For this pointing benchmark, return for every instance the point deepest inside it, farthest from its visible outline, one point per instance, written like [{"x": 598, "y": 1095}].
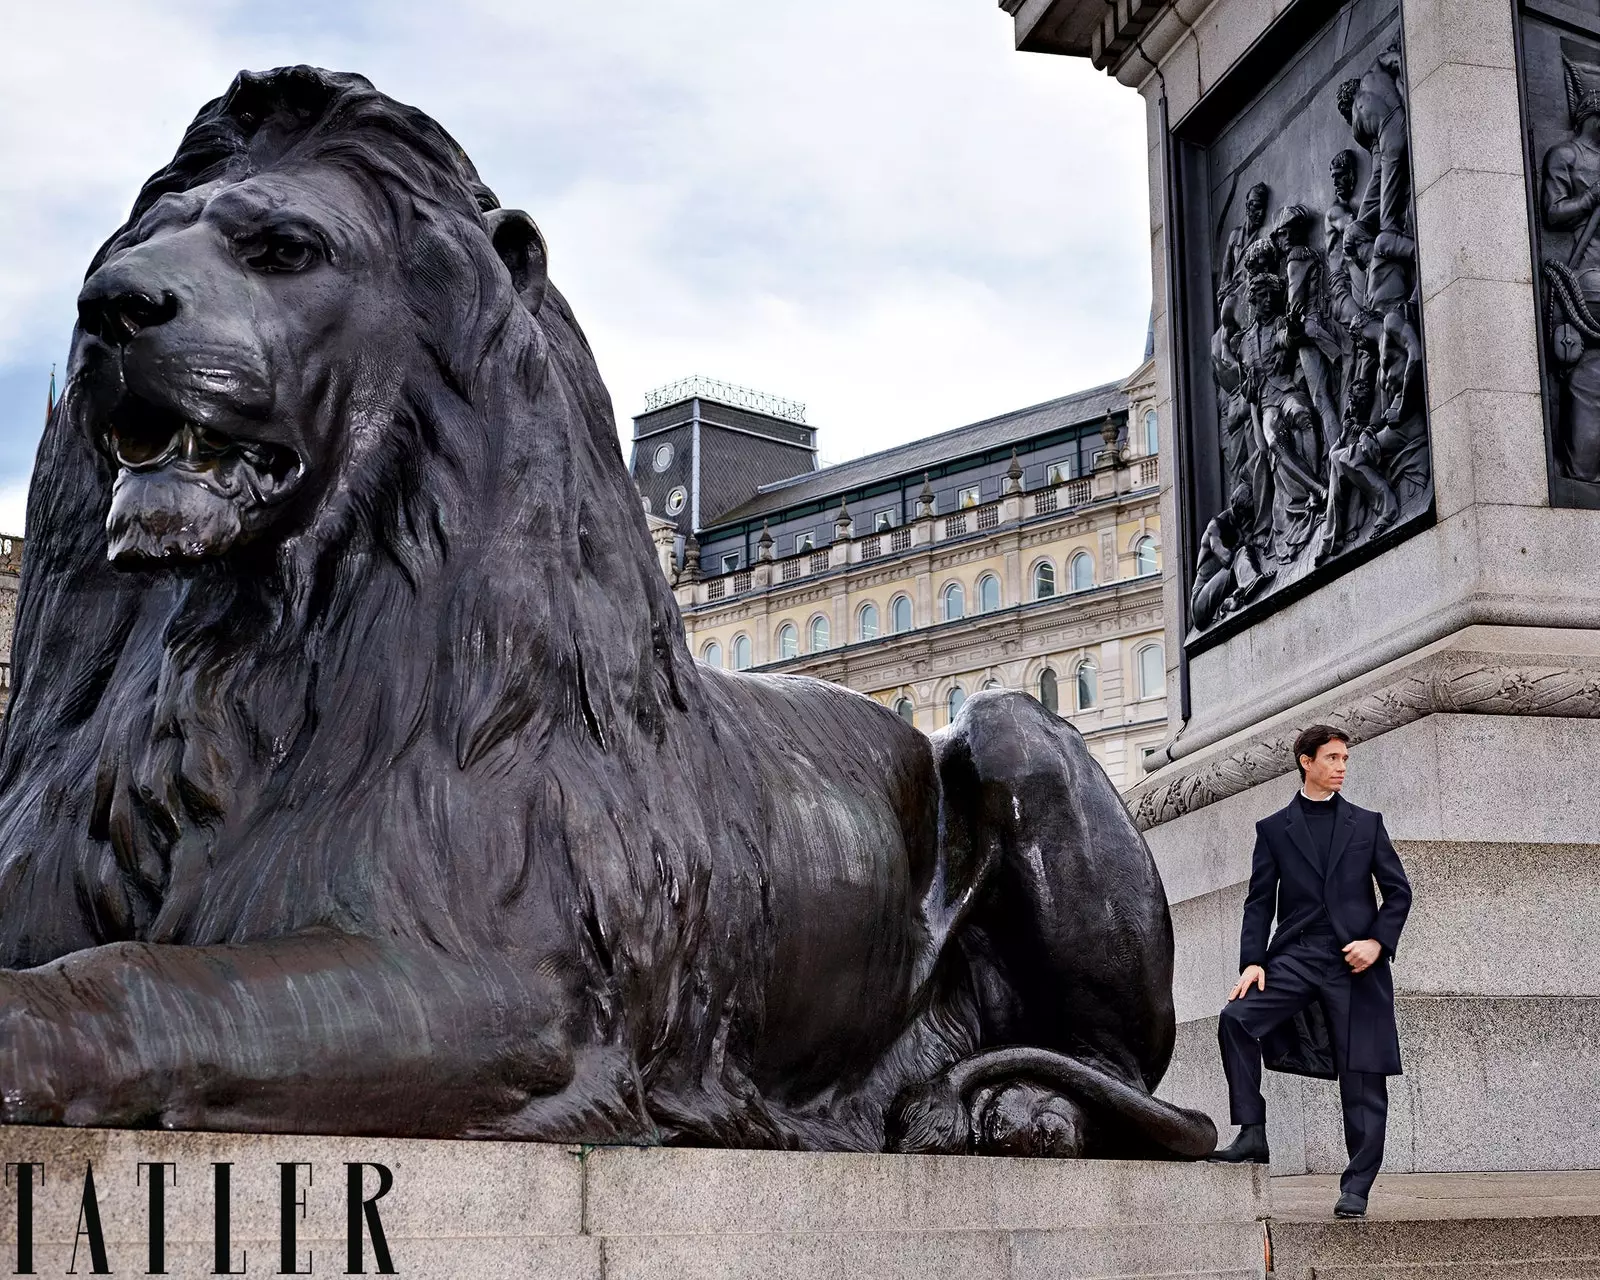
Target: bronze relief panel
[
  {"x": 1560, "y": 76},
  {"x": 1308, "y": 444}
]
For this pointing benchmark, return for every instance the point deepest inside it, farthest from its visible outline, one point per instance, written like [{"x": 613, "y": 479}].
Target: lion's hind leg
[{"x": 1068, "y": 948}]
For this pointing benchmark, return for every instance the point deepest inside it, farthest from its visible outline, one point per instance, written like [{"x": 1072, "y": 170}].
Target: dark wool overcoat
[{"x": 1284, "y": 883}]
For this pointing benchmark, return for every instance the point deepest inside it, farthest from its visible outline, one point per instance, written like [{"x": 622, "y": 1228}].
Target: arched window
[
  {"x": 1088, "y": 684},
  {"x": 867, "y": 622},
  {"x": 906, "y": 711},
  {"x": 953, "y": 703},
  {"x": 711, "y": 655},
  {"x": 1152, "y": 432},
  {"x": 819, "y": 634},
  {"x": 788, "y": 642},
  {"x": 1049, "y": 697},
  {"x": 988, "y": 593},
  {"x": 900, "y": 614},
  {"x": 953, "y": 602},
  {"x": 1152, "y": 671},
  {"x": 741, "y": 653},
  {"x": 1082, "y": 571},
  {"x": 1144, "y": 556},
  {"x": 991, "y": 684},
  {"x": 1044, "y": 580}
]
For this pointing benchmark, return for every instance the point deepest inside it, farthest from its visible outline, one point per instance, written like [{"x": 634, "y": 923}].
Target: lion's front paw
[{"x": 929, "y": 1119}]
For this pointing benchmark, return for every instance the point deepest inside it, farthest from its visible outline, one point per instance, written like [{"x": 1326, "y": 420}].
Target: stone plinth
[
  {"x": 1498, "y": 978},
  {"x": 1464, "y": 659},
  {"x": 501, "y": 1209}
]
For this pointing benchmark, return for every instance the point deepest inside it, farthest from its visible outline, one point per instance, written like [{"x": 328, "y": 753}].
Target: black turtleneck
[{"x": 1319, "y": 816}]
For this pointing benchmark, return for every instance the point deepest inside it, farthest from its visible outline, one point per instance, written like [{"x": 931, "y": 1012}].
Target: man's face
[
  {"x": 1344, "y": 181},
  {"x": 1325, "y": 770},
  {"x": 1255, "y": 206},
  {"x": 1265, "y": 300}
]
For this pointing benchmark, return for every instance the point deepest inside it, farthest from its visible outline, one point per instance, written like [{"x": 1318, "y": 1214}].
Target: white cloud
[
  {"x": 14, "y": 507},
  {"x": 879, "y": 209}
]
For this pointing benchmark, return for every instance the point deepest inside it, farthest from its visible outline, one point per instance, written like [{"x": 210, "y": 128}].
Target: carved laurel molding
[{"x": 1454, "y": 681}]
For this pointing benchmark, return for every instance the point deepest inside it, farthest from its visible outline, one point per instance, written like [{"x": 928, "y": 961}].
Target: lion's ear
[{"x": 517, "y": 240}]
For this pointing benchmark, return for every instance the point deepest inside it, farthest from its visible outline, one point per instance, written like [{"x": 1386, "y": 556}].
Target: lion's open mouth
[
  {"x": 184, "y": 491},
  {"x": 143, "y": 436}
]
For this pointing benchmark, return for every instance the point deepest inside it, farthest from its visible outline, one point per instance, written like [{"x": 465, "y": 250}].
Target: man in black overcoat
[{"x": 1319, "y": 998}]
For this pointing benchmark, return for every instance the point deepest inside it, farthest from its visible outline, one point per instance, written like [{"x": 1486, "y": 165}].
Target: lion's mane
[{"x": 312, "y": 736}]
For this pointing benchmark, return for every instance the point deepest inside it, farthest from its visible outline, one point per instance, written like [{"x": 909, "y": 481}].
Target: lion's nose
[{"x": 116, "y": 315}]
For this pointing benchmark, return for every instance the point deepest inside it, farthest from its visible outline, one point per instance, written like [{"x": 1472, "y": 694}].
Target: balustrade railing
[{"x": 873, "y": 546}]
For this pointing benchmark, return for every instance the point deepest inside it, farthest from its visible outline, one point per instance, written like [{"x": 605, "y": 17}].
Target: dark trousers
[{"x": 1308, "y": 969}]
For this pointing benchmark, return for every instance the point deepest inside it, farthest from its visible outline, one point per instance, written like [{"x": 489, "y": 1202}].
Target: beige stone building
[
  {"x": 1021, "y": 552},
  {"x": 10, "y": 578}
]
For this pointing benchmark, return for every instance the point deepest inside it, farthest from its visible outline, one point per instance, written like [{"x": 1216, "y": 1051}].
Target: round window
[
  {"x": 663, "y": 458},
  {"x": 677, "y": 500}
]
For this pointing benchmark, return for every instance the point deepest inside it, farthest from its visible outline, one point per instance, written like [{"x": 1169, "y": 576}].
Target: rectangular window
[
  {"x": 1058, "y": 472},
  {"x": 804, "y": 542},
  {"x": 882, "y": 521},
  {"x": 967, "y": 497},
  {"x": 730, "y": 562}
]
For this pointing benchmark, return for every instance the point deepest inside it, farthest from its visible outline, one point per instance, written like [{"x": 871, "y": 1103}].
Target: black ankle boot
[
  {"x": 1351, "y": 1205},
  {"x": 1250, "y": 1147}
]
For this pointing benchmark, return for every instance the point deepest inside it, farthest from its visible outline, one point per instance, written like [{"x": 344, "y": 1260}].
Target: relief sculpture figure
[
  {"x": 357, "y": 777},
  {"x": 1305, "y": 287},
  {"x": 1286, "y": 484},
  {"x": 1374, "y": 107},
  {"x": 1569, "y": 202},
  {"x": 1317, "y": 338}
]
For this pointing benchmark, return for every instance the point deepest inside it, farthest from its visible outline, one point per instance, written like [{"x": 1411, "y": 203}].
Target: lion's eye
[{"x": 277, "y": 251}]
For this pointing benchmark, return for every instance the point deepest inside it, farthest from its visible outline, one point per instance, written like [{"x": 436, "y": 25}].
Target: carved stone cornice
[{"x": 1451, "y": 680}]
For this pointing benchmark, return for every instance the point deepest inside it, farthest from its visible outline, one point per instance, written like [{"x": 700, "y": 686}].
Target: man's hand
[
  {"x": 1253, "y": 974},
  {"x": 1361, "y": 956}
]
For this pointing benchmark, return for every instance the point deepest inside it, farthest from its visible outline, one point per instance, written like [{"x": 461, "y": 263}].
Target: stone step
[
  {"x": 1501, "y": 1226},
  {"x": 1550, "y": 1269},
  {"x": 1498, "y": 1248}
]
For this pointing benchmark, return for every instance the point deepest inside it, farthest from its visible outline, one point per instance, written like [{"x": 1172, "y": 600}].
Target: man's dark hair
[
  {"x": 1312, "y": 740},
  {"x": 1347, "y": 98}
]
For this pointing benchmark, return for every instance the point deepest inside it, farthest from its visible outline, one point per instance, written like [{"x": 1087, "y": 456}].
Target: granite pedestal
[{"x": 501, "y": 1209}]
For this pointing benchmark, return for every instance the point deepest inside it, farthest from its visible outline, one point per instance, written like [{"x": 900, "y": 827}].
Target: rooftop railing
[
  {"x": 1057, "y": 500},
  {"x": 731, "y": 393}
]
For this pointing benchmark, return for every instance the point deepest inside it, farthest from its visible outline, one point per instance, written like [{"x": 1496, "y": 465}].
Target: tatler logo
[{"x": 363, "y": 1223}]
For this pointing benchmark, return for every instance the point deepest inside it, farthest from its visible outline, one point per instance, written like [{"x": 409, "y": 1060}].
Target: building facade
[
  {"x": 10, "y": 581},
  {"x": 1021, "y": 552}
]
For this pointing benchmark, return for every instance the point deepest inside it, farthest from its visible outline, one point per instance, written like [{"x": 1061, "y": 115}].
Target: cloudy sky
[{"x": 873, "y": 206}]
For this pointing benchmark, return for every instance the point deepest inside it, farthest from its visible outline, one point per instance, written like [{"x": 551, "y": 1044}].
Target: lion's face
[{"x": 228, "y": 347}]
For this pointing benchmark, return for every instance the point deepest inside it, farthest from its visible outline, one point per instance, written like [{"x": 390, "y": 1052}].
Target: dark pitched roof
[{"x": 931, "y": 451}]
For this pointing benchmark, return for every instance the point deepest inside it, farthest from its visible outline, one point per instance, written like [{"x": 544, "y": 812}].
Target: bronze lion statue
[{"x": 358, "y": 779}]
